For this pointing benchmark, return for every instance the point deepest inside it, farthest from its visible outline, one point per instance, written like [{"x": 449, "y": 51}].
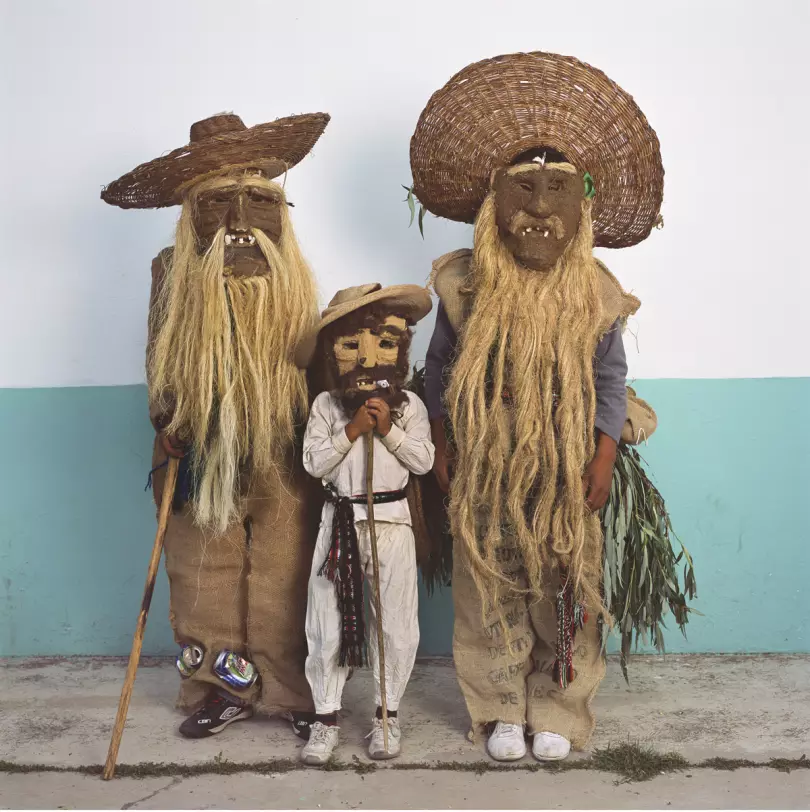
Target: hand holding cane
[
  {"x": 137, "y": 642},
  {"x": 372, "y": 532}
]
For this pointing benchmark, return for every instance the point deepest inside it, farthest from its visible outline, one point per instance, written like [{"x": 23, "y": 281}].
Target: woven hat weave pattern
[
  {"x": 412, "y": 302},
  {"x": 492, "y": 111},
  {"x": 217, "y": 144}
]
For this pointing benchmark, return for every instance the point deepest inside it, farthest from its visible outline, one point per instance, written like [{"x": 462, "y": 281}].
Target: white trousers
[{"x": 398, "y": 596}]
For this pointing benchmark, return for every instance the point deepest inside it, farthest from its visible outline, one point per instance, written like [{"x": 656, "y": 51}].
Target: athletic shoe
[
  {"x": 323, "y": 739},
  {"x": 219, "y": 711},
  {"x": 300, "y": 721},
  {"x": 550, "y": 747},
  {"x": 506, "y": 742},
  {"x": 376, "y": 747}
]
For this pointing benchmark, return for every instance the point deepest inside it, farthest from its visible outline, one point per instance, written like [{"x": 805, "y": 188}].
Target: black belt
[{"x": 342, "y": 566}]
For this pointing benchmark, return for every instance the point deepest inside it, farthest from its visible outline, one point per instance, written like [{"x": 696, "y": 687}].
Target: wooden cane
[
  {"x": 372, "y": 532},
  {"x": 137, "y": 641}
]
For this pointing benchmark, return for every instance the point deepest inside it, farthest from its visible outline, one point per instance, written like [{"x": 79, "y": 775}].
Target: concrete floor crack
[{"x": 173, "y": 783}]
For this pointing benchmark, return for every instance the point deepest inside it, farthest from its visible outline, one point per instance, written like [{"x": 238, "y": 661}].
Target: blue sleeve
[
  {"x": 437, "y": 363},
  {"x": 610, "y": 380}
]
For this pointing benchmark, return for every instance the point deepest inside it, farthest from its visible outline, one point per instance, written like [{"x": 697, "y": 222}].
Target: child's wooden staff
[
  {"x": 372, "y": 532},
  {"x": 137, "y": 641}
]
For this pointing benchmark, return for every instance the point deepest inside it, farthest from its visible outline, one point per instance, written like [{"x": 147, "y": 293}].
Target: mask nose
[
  {"x": 368, "y": 351},
  {"x": 538, "y": 205},
  {"x": 238, "y": 218}
]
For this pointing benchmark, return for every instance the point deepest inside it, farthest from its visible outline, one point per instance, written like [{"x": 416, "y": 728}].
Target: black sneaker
[
  {"x": 301, "y": 722},
  {"x": 214, "y": 716}
]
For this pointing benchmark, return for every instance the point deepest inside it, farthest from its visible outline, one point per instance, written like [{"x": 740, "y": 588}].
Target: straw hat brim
[
  {"x": 275, "y": 147},
  {"x": 494, "y": 110},
  {"x": 412, "y": 302}
]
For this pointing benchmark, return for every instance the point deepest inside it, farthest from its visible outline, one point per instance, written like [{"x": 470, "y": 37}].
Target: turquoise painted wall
[{"x": 76, "y": 527}]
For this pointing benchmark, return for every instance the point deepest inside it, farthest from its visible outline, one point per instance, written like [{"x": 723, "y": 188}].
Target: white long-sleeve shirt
[{"x": 330, "y": 455}]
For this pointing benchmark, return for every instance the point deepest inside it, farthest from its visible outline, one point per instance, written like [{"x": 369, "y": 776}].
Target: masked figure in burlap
[
  {"x": 525, "y": 374},
  {"x": 229, "y": 303},
  {"x": 362, "y": 344}
]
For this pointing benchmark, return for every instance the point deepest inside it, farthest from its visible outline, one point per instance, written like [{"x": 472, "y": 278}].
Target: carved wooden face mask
[
  {"x": 537, "y": 209},
  {"x": 372, "y": 360},
  {"x": 239, "y": 207}
]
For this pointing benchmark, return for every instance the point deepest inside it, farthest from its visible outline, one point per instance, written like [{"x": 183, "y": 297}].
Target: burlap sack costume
[
  {"x": 481, "y": 121},
  {"x": 513, "y": 682},
  {"x": 242, "y": 590},
  {"x": 245, "y": 591}
]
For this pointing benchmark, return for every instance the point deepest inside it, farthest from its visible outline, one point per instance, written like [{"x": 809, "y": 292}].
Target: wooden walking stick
[
  {"x": 372, "y": 532},
  {"x": 137, "y": 641}
]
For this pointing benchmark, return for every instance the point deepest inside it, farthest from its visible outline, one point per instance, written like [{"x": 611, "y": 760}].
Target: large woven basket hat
[
  {"x": 217, "y": 144},
  {"x": 496, "y": 109},
  {"x": 412, "y": 302}
]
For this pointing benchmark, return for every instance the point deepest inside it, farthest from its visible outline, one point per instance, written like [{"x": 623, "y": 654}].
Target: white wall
[{"x": 94, "y": 87}]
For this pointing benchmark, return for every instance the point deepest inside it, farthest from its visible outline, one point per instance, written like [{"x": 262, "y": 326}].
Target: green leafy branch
[
  {"x": 640, "y": 566},
  {"x": 412, "y": 202}
]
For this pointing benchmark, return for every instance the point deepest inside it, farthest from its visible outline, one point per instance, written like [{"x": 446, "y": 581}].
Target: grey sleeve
[
  {"x": 437, "y": 362},
  {"x": 610, "y": 379}
]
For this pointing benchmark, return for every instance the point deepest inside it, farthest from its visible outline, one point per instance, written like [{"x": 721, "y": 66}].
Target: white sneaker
[
  {"x": 376, "y": 747},
  {"x": 506, "y": 742},
  {"x": 550, "y": 747},
  {"x": 323, "y": 739}
]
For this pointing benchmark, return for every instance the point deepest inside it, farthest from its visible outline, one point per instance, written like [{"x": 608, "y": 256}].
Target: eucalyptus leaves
[
  {"x": 640, "y": 566},
  {"x": 412, "y": 202},
  {"x": 590, "y": 187}
]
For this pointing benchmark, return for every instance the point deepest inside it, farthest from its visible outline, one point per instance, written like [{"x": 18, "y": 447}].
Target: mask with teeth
[
  {"x": 367, "y": 356},
  {"x": 239, "y": 206},
  {"x": 538, "y": 204}
]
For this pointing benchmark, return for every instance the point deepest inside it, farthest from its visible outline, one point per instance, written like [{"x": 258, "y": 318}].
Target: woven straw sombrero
[
  {"x": 496, "y": 109},
  {"x": 216, "y": 145},
  {"x": 410, "y": 301}
]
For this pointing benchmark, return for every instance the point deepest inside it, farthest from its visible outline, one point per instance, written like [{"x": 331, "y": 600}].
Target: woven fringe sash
[
  {"x": 343, "y": 568},
  {"x": 570, "y": 617}
]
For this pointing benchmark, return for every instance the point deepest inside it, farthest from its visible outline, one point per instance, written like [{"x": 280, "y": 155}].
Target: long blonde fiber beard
[
  {"x": 221, "y": 363},
  {"x": 519, "y": 465}
]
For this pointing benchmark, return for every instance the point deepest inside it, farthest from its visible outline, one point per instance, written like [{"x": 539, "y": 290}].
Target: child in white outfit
[{"x": 369, "y": 349}]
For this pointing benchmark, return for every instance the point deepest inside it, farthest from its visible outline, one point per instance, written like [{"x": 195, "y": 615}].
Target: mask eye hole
[
  {"x": 525, "y": 186},
  {"x": 258, "y": 196},
  {"x": 351, "y": 345},
  {"x": 387, "y": 344}
]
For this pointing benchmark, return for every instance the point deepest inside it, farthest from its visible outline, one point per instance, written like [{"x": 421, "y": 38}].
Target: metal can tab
[{"x": 190, "y": 659}]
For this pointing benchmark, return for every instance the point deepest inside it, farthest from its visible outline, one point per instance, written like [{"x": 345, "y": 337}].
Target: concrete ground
[{"x": 58, "y": 714}]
